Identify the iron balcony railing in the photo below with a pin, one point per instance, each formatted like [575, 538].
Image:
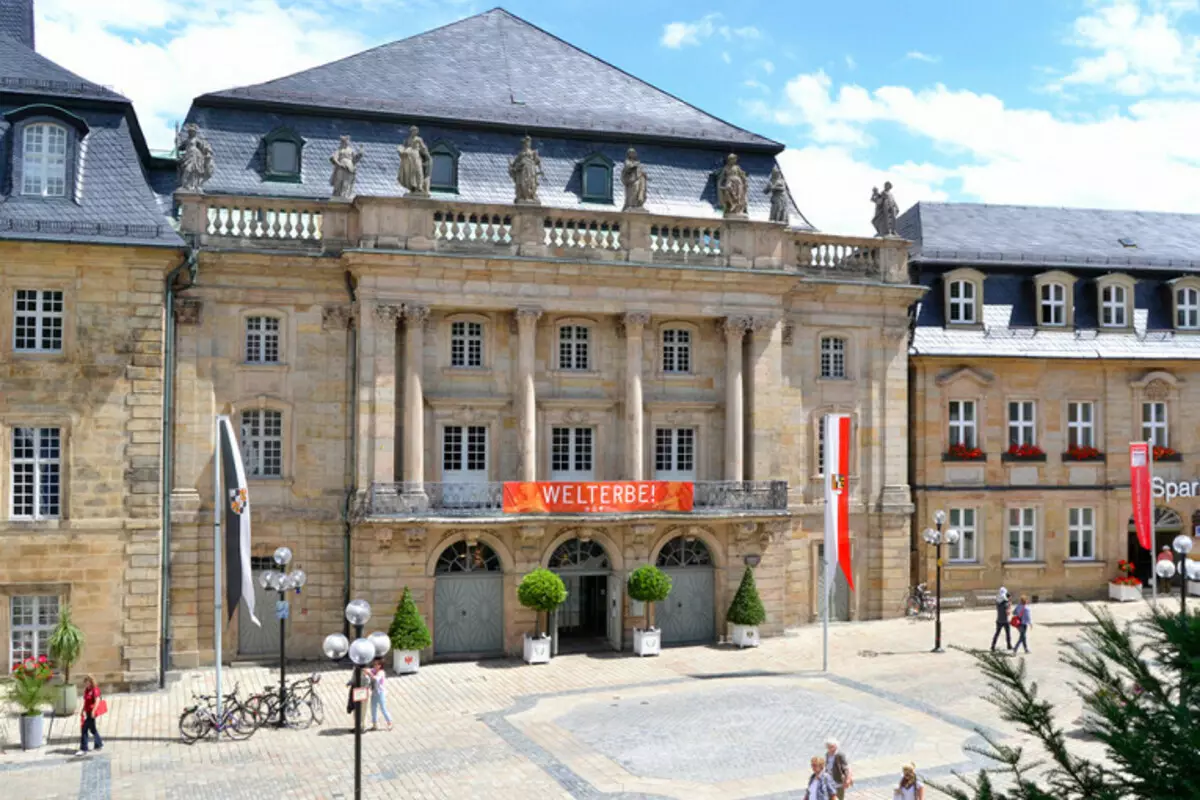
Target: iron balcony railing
[405, 500]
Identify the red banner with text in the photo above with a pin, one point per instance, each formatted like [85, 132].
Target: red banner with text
[1141, 484]
[596, 497]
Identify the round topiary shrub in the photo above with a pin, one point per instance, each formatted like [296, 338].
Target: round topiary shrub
[408, 631]
[543, 591]
[747, 607]
[648, 584]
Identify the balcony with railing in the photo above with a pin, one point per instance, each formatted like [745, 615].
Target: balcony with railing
[485, 501]
[497, 230]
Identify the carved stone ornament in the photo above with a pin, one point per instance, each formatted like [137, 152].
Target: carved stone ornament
[415, 314]
[526, 171]
[188, 311]
[678, 417]
[415, 164]
[531, 535]
[415, 537]
[529, 316]
[773, 532]
[387, 312]
[632, 319]
[732, 187]
[734, 325]
[383, 538]
[345, 169]
[635, 180]
[777, 188]
[886, 210]
[744, 530]
[640, 534]
[789, 333]
[1157, 390]
[584, 534]
[575, 416]
[759, 324]
[196, 162]
[336, 318]
[467, 415]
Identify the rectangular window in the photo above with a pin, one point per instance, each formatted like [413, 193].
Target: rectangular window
[677, 350]
[1054, 304]
[833, 357]
[571, 454]
[1021, 423]
[1081, 534]
[262, 443]
[1112, 307]
[962, 423]
[1187, 308]
[1154, 424]
[262, 340]
[675, 454]
[44, 166]
[962, 302]
[1022, 534]
[464, 453]
[37, 321]
[36, 473]
[1081, 429]
[573, 347]
[33, 618]
[963, 521]
[466, 345]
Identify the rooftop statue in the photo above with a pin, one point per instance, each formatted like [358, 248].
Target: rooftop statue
[345, 169]
[886, 210]
[525, 171]
[633, 175]
[196, 163]
[415, 163]
[777, 188]
[732, 187]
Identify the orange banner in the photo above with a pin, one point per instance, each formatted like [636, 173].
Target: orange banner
[596, 497]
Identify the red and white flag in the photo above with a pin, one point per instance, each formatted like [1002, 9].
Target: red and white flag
[1141, 486]
[837, 500]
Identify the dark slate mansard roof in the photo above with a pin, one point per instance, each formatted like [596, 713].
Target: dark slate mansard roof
[479, 85]
[109, 200]
[1013, 244]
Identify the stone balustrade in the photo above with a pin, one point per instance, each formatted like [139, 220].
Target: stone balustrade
[436, 225]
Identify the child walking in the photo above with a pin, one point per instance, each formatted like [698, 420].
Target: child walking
[378, 699]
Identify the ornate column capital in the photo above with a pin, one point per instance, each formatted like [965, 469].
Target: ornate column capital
[415, 313]
[336, 317]
[188, 311]
[762, 323]
[633, 321]
[387, 312]
[524, 315]
[735, 326]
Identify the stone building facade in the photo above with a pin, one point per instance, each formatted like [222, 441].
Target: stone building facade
[393, 355]
[1069, 332]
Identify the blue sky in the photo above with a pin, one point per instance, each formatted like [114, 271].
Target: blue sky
[1042, 102]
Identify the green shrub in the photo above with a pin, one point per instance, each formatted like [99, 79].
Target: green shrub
[747, 607]
[648, 584]
[66, 643]
[543, 591]
[408, 631]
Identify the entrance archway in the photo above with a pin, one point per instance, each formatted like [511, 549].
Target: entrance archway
[1167, 525]
[687, 615]
[589, 619]
[468, 602]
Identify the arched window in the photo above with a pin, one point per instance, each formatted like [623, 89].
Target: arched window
[284, 148]
[443, 170]
[44, 160]
[578, 555]
[596, 172]
[684, 552]
[463, 557]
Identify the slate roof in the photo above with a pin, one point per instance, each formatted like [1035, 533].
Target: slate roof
[16, 20]
[22, 71]
[495, 68]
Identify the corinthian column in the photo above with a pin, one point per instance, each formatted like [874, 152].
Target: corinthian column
[735, 330]
[414, 396]
[527, 319]
[635, 323]
[383, 400]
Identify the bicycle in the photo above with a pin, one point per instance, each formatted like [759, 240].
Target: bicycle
[302, 706]
[919, 602]
[199, 720]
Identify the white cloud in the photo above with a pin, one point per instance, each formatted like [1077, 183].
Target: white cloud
[767, 66]
[851, 63]
[917, 55]
[728, 59]
[751, 83]
[676, 35]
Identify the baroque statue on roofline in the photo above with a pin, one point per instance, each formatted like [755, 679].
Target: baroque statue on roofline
[526, 171]
[732, 187]
[886, 210]
[345, 169]
[415, 163]
[196, 162]
[635, 179]
[777, 188]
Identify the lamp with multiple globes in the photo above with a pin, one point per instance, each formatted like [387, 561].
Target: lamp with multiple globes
[362, 651]
[282, 581]
[1186, 568]
[936, 538]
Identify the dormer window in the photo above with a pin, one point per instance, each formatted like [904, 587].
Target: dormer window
[1054, 304]
[443, 171]
[1186, 294]
[44, 162]
[284, 155]
[48, 150]
[963, 292]
[1055, 290]
[597, 175]
[1112, 307]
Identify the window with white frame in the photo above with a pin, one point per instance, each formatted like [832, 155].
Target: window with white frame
[36, 473]
[466, 344]
[464, 453]
[833, 357]
[1081, 425]
[676, 350]
[262, 443]
[1187, 308]
[1021, 423]
[1054, 304]
[963, 521]
[262, 340]
[44, 165]
[962, 423]
[1022, 534]
[962, 302]
[574, 347]
[572, 454]
[675, 454]
[1154, 424]
[1112, 307]
[38, 321]
[1081, 534]
[33, 619]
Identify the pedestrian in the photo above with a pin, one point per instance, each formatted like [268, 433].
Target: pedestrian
[1002, 604]
[910, 788]
[820, 784]
[364, 681]
[1024, 619]
[839, 767]
[91, 709]
[378, 699]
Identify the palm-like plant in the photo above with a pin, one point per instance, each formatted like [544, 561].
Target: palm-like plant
[66, 642]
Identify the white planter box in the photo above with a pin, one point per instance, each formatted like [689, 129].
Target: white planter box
[1194, 588]
[537, 650]
[745, 635]
[1124, 594]
[647, 642]
[33, 732]
[406, 662]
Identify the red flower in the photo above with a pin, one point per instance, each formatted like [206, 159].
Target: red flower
[1025, 451]
[961, 451]
[1164, 452]
[1078, 453]
[41, 659]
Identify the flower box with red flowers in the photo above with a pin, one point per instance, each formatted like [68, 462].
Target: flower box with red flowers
[31, 685]
[1077, 453]
[960, 452]
[1167, 454]
[1024, 452]
[1126, 587]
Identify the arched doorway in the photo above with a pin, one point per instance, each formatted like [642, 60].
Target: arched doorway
[1167, 525]
[583, 622]
[687, 615]
[468, 602]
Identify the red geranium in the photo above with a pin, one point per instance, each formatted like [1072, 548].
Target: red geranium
[1164, 452]
[1025, 451]
[965, 453]
[1078, 453]
[1127, 580]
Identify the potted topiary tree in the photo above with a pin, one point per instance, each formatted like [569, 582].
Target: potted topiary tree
[65, 645]
[648, 584]
[746, 612]
[409, 636]
[30, 690]
[543, 591]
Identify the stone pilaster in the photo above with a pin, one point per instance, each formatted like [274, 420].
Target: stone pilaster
[635, 323]
[383, 395]
[735, 331]
[414, 396]
[527, 319]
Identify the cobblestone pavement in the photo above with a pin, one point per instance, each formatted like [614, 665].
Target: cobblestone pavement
[698, 722]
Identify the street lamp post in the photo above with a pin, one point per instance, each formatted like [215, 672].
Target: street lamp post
[1187, 569]
[362, 651]
[937, 538]
[282, 581]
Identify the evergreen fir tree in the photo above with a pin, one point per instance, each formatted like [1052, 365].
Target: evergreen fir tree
[408, 631]
[747, 607]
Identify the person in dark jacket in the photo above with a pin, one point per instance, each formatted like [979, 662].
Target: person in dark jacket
[1002, 620]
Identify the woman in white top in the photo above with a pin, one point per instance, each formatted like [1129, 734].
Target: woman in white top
[910, 788]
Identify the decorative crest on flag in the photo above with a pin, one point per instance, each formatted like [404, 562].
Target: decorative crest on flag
[237, 500]
[839, 483]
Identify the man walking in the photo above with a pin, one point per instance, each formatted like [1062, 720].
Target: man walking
[1002, 620]
[839, 767]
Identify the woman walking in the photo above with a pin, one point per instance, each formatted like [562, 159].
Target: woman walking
[1002, 620]
[820, 785]
[378, 698]
[91, 700]
[1024, 619]
[910, 788]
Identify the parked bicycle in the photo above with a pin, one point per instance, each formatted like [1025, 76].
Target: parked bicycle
[199, 720]
[920, 603]
[301, 706]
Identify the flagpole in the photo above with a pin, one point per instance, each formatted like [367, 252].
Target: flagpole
[217, 563]
[1153, 536]
[825, 615]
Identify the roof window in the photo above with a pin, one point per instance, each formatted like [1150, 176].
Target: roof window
[1127, 242]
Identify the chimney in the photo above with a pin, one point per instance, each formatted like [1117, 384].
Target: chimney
[16, 21]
